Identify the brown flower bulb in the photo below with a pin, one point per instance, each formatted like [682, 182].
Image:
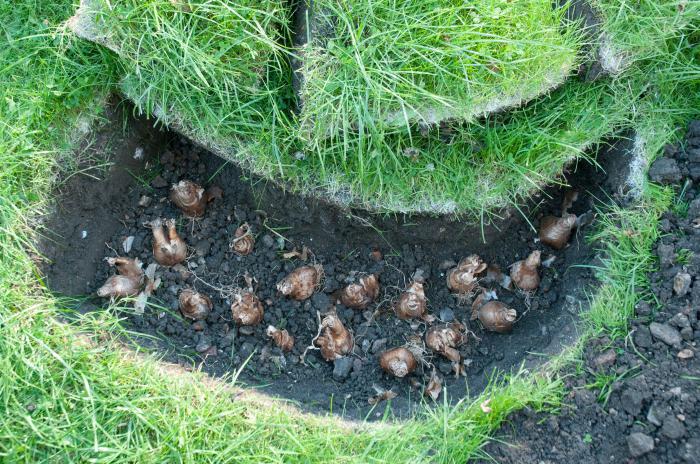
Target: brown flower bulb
[525, 274]
[127, 282]
[464, 277]
[168, 250]
[496, 316]
[445, 340]
[301, 283]
[244, 241]
[189, 197]
[412, 302]
[247, 308]
[195, 306]
[556, 231]
[281, 338]
[398, 362]
[360, 295]
[434, 387]
[335, 341]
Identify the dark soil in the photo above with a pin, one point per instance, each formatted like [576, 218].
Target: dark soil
[342, 241]
[651, 412]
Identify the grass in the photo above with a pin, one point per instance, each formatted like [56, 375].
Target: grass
[394, 62]
[198, 61]
[487, 164]
[70, 392]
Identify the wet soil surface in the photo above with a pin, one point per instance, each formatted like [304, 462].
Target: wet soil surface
[650, 413]
[94, 217]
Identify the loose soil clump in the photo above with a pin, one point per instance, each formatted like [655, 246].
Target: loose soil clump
[649, 411]
[96, 219]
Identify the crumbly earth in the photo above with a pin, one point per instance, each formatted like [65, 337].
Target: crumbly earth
[651, 412]
[95, 217]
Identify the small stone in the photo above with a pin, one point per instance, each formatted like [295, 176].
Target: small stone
[605, 359]
[341, 368]
[642, 337]
[665, 333]
[202, 247]
[665, 171]
[687, 333]
[379, 345]
[159, 182]
[694, 208]
[654, 415]
[680, 320]
[168, 157]
[212, 351]
[268, 241]
[246, 350]
[681, 283]
[639, 444]
[246, 330]
[666, 253]
[198, 326]
[445, 367]
[203, 345]
[144, 201]
[643, 309]
[447, 315]
[673, 428]
[686, 353]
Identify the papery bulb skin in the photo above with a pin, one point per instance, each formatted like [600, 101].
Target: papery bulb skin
[189, 197]
[247, 309]
[525, 274]
[556, 231]
[195, 306]
[301, 283]
[335, 340]
[360, 295]
[412, 302]
[398, 362]
[170, 249]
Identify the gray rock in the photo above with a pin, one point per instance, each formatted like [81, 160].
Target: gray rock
[665, 333]
[605, 359]
[341, 368]
[642, 337]
[268, 241]
[445, 367]
[655, 415]
[203, 345]
[665, 171]
[447, 315]
[321, 301]
[639, 444]
[632, 401]
[246, 330]
[680, 320]
[159, 182]
[694, 208]
[673, 428]
[666, 253]
[202, 247]
[694, 128]
[246, 350]
[694, 171]
[378, 345]
[681, 283]
[687, 333]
